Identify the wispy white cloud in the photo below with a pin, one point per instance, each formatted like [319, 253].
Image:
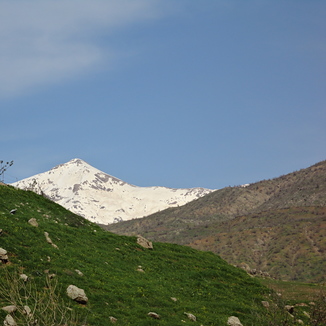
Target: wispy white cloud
[46, 41]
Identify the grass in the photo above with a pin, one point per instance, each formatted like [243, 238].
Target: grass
[293, 292]
[203, 283]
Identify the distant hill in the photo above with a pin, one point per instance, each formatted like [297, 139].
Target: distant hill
[292, 204]
[102, 198]
[121, 279]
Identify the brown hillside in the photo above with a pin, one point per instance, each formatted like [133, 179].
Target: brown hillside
[198, 222]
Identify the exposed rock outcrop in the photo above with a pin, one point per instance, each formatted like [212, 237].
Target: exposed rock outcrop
[144, 242]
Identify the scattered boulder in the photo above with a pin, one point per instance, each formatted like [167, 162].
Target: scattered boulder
[113, 320]
[140, 269]
[9, 309]
[174, 299]
[154, 315]
[13, 211]
[190, 316]
[77, 294]
[79, 272]
[3, 255]
[234, 321]
[9, 321]
[144, 242]
[33, 222]
[289, 308]
[23, 277]
[48, 240]
[265, 304]
[27, 311]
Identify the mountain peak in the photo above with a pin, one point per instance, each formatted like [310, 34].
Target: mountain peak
[102, 198]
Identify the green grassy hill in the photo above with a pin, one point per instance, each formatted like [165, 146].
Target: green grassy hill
[279, 224]
[202, 283]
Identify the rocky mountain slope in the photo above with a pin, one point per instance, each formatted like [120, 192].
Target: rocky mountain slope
[102, 198]
[280, 224]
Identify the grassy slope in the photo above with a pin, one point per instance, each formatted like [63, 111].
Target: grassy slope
[203, 223]
[204, 284]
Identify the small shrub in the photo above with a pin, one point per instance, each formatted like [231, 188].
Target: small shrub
[45, 306]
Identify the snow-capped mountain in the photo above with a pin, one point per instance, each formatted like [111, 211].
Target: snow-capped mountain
[102, 198]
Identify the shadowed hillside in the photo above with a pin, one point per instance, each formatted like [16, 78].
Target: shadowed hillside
[200, 224]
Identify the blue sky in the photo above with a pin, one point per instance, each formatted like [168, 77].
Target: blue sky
[179, 93]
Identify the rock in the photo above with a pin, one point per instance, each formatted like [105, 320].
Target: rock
[245, 266]
[48, 240]
[79, 272]
[154, 315]
[174, 299]
[306, 314]
[140, 269]
[23, 277]
[113, 320]
[13, 211]
[33, 222]
[9, 321]
[265, 304]
[289, 308]
[234, 321]
[299, 321]
[27, 311]
[144, 242]
[77, 294]
[190, 316]
[3, 255]
[9, 309]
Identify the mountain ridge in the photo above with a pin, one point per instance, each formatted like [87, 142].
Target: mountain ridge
[102, 198]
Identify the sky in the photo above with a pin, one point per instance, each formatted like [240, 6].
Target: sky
[174, 93]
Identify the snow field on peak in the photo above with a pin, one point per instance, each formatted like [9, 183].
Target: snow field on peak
[102, 198]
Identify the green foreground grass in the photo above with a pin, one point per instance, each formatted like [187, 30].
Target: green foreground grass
[203, 284]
